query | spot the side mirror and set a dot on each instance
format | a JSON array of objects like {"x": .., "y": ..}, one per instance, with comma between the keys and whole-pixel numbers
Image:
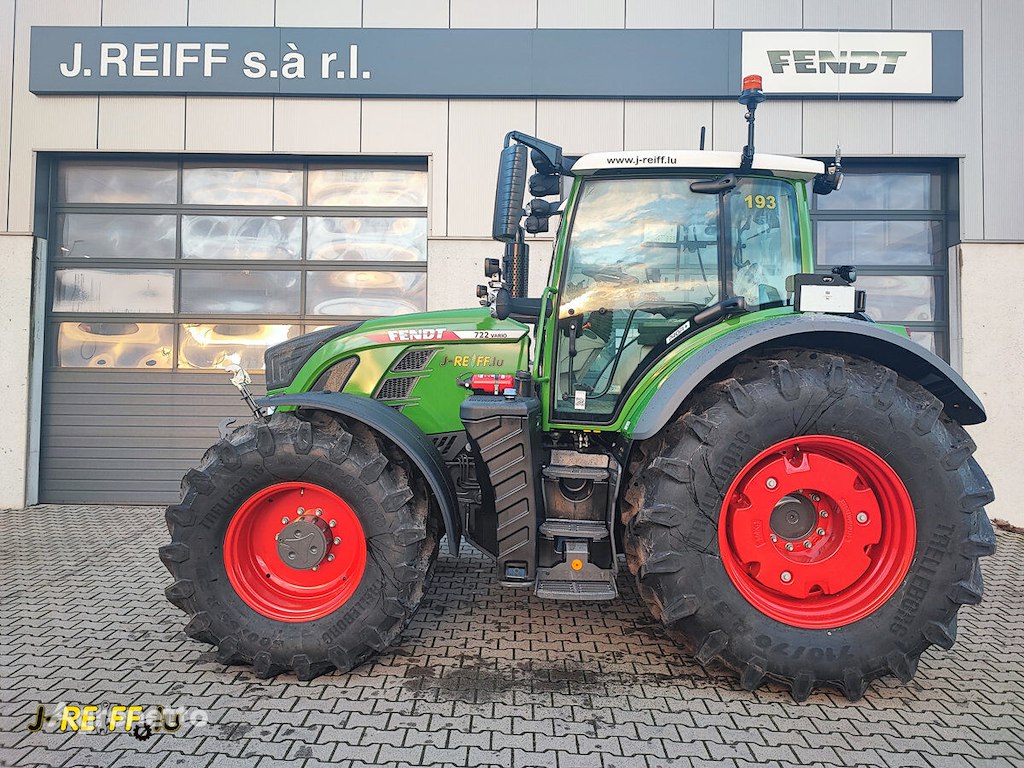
[{"x": 511, "y": 189}]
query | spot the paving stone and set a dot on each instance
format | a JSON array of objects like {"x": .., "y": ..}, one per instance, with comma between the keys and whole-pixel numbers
[{"x": 481, "y": 676}]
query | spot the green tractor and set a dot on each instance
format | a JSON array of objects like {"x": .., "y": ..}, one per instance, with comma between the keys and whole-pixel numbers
[{"x": 790, "y": 483}]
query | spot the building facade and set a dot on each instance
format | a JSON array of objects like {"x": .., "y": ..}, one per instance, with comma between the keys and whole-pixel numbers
[{"x": 207, "y": 191}]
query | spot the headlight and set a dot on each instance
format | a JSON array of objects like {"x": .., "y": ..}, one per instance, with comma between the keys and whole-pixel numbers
[{"x": 283, "y": 361}]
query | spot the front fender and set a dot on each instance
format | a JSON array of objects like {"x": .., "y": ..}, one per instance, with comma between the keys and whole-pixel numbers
[
  {"x": 825, "y": 332},
  {"x": 395, "y": 427}
]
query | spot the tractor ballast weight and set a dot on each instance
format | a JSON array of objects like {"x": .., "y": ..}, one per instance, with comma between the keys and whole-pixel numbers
[{"x": 778, "y": 471}]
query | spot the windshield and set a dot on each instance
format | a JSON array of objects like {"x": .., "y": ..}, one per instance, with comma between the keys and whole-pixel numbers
[{"x": 645, "y": 255}]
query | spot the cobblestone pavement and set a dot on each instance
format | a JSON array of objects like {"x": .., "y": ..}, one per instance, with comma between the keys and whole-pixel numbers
[{"x": 483, "y": 676}]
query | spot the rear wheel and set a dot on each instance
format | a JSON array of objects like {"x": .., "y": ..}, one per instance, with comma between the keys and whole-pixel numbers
[
  {"x": 299, "y": 545},
  {"x": 813, "y": 519}
]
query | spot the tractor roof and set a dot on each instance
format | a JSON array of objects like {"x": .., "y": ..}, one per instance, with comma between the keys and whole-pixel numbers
[{"x": 684, "y": 159}]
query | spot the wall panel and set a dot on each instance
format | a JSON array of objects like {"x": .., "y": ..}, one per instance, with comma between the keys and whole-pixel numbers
[
  {"x": 170, "y": 13},
  {"x": 231, "y": 13},
  {"x": 316, "y": 125},
  {"x": 416, "y": 127},
  {"x": 221, "y": 124},
  {"x": 667, "y": 124},
  {"x": 405, "y": 13},
  {"x": 764, "y": 14},
  {"x": 665, "y": 14},
  {"x": 142, "y": 123},
  {"x": 316, "y": 13},
  {"x": 586, "y": 14},
  {"x": 477, "y": 131},
  {"x": 483, "y": 14},
  {"x": 581, "y": 126}
]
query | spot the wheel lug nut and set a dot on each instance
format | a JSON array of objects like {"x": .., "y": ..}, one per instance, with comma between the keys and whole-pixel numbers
[
  {"x": 807, "y": 544},
  {"x": 820, "y": 531},
  {"x": 775, "y": 538},
  {"x": 337, "y": 540},
  {"x": 333, "y": 523},
  {"x": 862, "y": 517},
  {"x": 284, "y": 521},
  {"x": 823, "y": 512},
  {"x": 786, "y": 577},
  {"x": 330, "y": 558},
  {"x": 789, "y": 547},
  {"x": 815, "y": 497},
  {"x": 319, "y": 512},
  {"x": 316, "y": 568},
  {"x": 300, "y": 511},
  {"x": 772, "y": 483}
]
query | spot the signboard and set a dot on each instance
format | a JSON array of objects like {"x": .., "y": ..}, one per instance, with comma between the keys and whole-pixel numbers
[
  {"x": 840, "y": 62},
  {"x": 491, "y": 63}
]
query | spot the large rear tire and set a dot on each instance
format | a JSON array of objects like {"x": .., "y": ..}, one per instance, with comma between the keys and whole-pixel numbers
[
  {"x": 812, "y": 519},
  {"x": 301, "y": 544}
]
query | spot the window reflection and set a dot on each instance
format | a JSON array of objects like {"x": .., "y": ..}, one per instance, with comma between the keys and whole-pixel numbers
[
  {"x": 233, "y": 291},
  {"x": 98, "y": 181},
  {"x": 219, "y": 345},
  {"x": 255, "y": 185},
  {"x": 114, "y": 345},
  {"x": 367, "y": 238},
  {"x": 115, "y": 236},
  {"x": 367, "y": 187},
  {"x": 241, "y": 237},
  {"x": 863, "y": 242},
  {"x": 900, "y": 298},
  {"x": 884, "y": 192},
  {"x": 113, "y": 290},
  {"x": 367, "y": 293}
]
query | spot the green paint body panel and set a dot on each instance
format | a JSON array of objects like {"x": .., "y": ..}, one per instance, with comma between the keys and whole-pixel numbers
[{"x": 433, "y": 403}]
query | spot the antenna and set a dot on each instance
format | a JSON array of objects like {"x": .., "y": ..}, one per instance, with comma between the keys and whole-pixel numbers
[
  {"x": 751, "y": 96},
  {"x": 702, "y": 129}
]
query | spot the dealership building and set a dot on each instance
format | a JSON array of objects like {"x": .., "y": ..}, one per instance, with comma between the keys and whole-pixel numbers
[{"x": 189, "y": 181}]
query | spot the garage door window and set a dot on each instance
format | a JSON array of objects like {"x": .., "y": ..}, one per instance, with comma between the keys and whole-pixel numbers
[
  {"x": 895, "y": 223},
  {"x": 194, "y": 265}
]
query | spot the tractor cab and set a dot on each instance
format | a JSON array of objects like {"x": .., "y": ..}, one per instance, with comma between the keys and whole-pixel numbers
[{"x": 650, "y": 257}]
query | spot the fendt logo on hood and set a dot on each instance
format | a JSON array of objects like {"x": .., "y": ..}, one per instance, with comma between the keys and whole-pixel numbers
[
  {"x": 841, "y": 62},
  {"x": 417, "y": 334}
]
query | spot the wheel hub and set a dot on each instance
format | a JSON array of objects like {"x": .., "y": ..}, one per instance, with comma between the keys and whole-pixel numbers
[
  {"x": 793, "y": 517},
  {"x": 304, "y": 543}
]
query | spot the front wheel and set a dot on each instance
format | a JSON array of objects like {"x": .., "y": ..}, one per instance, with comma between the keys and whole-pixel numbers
[
  {"x": 300, "y": 544},
  {"x": 813, "y": 519}
]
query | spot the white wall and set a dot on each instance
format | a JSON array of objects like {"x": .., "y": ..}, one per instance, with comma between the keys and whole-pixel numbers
[
  {"x": 993, "y": 364},
  {"x": 15, "y": 351}
]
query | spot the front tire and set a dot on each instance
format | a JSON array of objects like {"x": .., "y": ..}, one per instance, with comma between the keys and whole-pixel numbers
[
  {"x": 813, "y": 519},
  {"x": 300, "y": 544}
]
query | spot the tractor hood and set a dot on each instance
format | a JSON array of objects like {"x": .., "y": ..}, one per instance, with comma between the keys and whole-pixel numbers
[{"x": 296, "y": 365}]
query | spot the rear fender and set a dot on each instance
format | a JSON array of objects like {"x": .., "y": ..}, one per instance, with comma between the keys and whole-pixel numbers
[
  {"x": 397, "y": 428},
  {"x": 824, "y": 332}
]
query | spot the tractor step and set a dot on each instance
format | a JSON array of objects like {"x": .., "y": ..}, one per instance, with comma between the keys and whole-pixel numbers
[
  {"x": 561, "y": 589},
  {"x": 591, "y": 530}
]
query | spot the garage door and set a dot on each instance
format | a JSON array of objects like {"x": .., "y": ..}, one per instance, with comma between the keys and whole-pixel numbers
[{"x": 164, "y": 272}]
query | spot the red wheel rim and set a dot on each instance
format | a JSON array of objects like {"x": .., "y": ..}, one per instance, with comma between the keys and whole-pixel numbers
[
  {"x": 318, "y": 519},
  {"x": 817, "y": 532}
]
